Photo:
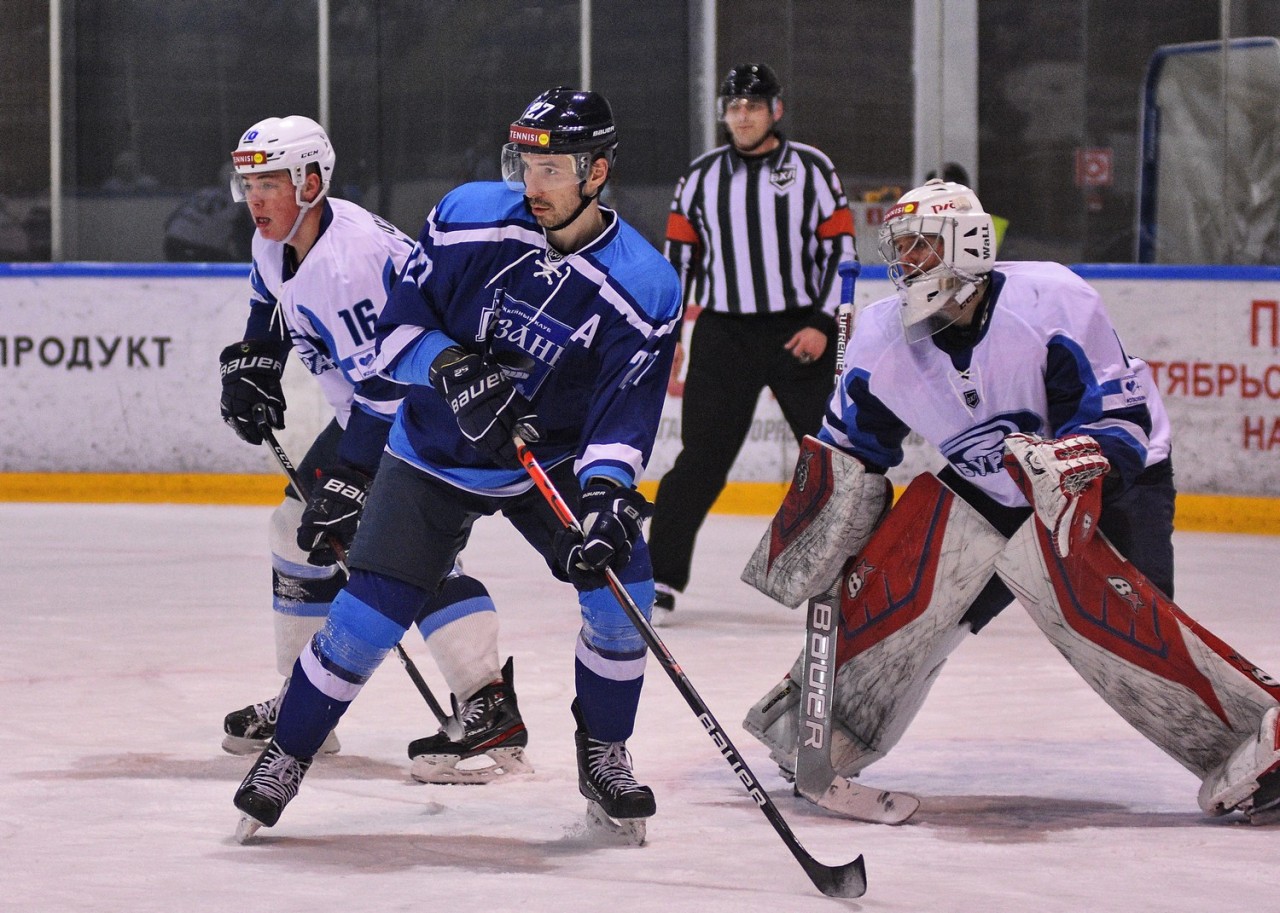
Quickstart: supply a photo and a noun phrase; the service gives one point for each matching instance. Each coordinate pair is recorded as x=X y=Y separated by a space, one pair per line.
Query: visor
x=544 y=171
x=725 y=102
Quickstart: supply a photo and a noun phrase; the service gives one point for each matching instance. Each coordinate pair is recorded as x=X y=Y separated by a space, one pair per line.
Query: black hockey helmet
x=561 y=121
x=565 y=120
x=751 y=80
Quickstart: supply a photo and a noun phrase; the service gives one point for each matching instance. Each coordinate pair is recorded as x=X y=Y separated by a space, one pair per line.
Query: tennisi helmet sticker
x=529 y=136
x=902 y=209
x=248 y=157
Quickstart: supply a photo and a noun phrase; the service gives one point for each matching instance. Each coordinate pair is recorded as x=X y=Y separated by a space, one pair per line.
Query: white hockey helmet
x=944 y=219
x=284 y=144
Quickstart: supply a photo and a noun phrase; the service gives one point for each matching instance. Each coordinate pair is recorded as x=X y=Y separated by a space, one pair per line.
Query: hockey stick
x=848 y=880
x=816 y=779
x=264 y=428
x=849 y=271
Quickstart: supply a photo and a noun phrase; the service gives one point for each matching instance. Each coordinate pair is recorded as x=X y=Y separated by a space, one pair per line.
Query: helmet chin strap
x=584 y=200
x=303 y=208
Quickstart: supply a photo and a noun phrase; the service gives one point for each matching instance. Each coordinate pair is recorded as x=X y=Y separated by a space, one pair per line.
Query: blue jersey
x=1046 y=361
x=588 y=338
x=326 y=310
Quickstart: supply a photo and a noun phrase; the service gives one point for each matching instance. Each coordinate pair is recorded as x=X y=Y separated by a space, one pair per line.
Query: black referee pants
x=731 y=359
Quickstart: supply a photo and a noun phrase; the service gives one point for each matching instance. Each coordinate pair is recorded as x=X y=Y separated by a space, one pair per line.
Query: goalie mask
x=940 y=246
x=291 y=144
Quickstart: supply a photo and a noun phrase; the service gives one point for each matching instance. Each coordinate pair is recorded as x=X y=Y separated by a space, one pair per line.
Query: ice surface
x=127 y=632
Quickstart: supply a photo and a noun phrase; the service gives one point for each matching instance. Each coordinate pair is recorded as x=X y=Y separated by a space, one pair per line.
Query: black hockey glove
x=251 y=373
x=610 y=517
x=485 y=404
x=333 y=513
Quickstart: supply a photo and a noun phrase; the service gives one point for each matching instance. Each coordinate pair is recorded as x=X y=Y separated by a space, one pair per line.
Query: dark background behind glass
x=155 y=96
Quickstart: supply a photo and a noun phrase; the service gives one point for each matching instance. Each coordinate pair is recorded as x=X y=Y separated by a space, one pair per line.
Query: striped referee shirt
x=760 y=235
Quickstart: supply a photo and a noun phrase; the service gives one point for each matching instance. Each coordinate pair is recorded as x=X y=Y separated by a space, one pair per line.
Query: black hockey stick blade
x=848 y=880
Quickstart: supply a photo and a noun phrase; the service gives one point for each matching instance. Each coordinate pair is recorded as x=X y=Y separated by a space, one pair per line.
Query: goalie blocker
x=828 y=514
x=927 y=575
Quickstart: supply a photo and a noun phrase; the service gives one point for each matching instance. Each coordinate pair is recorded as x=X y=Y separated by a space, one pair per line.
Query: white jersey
x=330 y=305
x=1047 y=361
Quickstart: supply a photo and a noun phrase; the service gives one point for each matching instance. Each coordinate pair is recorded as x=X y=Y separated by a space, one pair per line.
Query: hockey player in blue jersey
x=524 y=302
x=1014 y=372
x=322 y=270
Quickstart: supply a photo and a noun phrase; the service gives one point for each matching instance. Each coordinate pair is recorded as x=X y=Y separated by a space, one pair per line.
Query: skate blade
x=240 y=746
x=449 y=770
x=246 y=827
x=628 y=830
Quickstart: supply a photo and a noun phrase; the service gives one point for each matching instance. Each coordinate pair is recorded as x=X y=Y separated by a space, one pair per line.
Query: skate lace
x=268 y=712
x=279 y=778
x=610 y=765
x=471 y=712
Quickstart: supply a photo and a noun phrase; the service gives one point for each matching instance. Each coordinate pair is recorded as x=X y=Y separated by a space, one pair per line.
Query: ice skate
x=269 y=786
x=249 y=730
x=492 y=742
x=615 y=801
x=664 y=604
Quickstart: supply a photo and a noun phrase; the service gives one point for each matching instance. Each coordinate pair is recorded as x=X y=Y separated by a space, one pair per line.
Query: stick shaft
x=848 y=880
x=296 y=484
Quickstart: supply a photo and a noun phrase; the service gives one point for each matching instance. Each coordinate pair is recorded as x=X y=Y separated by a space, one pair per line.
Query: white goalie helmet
x=284 y=144
x=940 y=245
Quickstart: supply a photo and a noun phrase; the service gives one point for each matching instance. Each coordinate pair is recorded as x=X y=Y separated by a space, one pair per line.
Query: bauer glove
x=1062 y=480
x=485 y=404
x=251 y=372
x=611 y=518
x=332 y=514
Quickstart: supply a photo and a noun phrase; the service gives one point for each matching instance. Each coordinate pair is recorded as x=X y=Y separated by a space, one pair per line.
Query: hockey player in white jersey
x=322 y=271
x=1015 y=373
x=525 y=302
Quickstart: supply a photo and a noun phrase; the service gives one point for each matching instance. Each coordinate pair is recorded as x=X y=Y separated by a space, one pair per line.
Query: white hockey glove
x=1062 y=479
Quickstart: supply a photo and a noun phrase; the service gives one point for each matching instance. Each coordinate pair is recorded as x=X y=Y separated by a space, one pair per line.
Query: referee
x=756 y=231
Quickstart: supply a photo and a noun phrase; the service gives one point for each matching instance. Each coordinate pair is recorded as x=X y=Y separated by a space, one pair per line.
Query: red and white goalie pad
x=1180 y=686
x=828 y=514
x=1062 y=479
x=898 y=609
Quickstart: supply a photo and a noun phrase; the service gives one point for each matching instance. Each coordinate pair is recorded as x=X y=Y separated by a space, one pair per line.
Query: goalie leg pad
x=828 y=514
x=1175 y=682
x=901 y=603
x=774 y=719
x=1249 y=779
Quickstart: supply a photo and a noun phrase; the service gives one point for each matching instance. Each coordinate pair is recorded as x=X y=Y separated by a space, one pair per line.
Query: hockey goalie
x=1057 y=489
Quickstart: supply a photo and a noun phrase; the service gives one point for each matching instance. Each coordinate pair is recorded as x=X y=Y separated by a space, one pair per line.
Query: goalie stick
x=849 y=271
x=848 y=880
x=816 y=780
x=264 y=426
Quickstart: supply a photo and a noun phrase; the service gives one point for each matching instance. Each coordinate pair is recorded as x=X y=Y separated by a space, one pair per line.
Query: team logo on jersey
x=979 y=451
x=524 y=340
x=782 y=178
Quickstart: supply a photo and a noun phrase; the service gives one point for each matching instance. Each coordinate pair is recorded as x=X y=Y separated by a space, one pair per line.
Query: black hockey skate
x=268 y=787
x=615 y=801
x=664 y=604
x=491 y=745
x=250 y=729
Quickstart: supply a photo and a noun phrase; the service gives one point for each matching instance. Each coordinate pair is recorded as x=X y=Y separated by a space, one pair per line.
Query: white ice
x=127 y=632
